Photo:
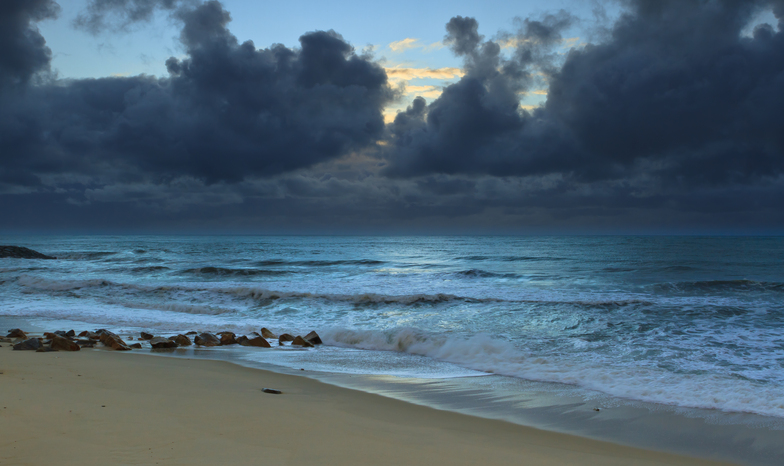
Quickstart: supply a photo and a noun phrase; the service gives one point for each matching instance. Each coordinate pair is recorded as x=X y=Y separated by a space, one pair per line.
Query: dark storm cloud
x=477 y=125
x=227 y=110
x=670 y=122
x=23 y=50
x=102 y=15
x=676 y=91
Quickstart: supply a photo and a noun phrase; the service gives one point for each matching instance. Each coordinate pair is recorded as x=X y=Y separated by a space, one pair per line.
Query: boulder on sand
x=313 y=337
x=70 y=333
x=110 y=340
x=181 y=340
x=16 y=333
x=207 y=339
x=255 y=340
x=161 y=343
x=227 y=338
x=135 y=346
x=45 y=349
x=146 y=336
x=286 y=337
x=63 y=344
x=267 y=334
x=299 y=341
x=28 y=345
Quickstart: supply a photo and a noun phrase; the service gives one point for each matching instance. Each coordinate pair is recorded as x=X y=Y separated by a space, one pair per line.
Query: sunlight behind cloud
x=406 y=74
x=411 y=43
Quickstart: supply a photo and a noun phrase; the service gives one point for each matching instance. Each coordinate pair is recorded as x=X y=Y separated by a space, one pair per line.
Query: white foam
x=494 y=355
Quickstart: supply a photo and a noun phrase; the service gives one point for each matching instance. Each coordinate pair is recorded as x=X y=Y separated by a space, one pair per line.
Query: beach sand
x=102 y=407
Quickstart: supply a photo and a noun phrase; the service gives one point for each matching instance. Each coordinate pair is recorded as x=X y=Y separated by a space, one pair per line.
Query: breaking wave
x=495 y=355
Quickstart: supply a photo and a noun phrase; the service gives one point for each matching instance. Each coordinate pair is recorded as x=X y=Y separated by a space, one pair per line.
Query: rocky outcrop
x=28 y=345
x=286 y=337
x=267 y=334
x=19 y=252
x=227 y=338
x=313 y=337
x=207 y=339
x=162 y=343
x=63 y=344
x=16 y=333
x=299 y=341
x=181 y=340
x=146 y=336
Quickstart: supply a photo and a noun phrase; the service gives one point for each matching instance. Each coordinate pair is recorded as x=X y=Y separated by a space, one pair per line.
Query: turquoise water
x=684 y=321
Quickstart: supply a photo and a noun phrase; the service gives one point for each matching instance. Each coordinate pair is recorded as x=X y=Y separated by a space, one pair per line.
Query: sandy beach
x=98 y=407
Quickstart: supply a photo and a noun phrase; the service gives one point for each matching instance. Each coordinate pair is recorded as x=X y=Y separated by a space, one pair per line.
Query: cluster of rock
x=70 y=341
x=19 y=252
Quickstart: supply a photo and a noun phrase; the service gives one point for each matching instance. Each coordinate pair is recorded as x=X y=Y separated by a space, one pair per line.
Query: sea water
x=693 y=322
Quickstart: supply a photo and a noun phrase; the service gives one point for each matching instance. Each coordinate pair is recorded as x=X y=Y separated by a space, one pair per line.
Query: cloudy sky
x=525 y=117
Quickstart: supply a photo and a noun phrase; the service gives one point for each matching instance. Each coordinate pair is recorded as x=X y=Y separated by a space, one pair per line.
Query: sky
x=304 y=117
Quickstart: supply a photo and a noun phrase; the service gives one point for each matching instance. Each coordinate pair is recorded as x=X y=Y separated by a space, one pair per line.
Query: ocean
x=691 y=322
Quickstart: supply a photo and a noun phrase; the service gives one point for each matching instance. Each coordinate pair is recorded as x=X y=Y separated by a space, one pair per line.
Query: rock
x=181 y=340
x=271 y=390
x=161 y=343
x=86 y=343
x=135 y=346
x=90 y=335
x=191 y=333
x=130 y=338
x=241 y=339
x=227 y=338
x=299 y=341
x=313 y=337
x=257 y=341
x=28 y=345
x=19 y=252
x=286 y=337
x=207 y=339
x=45 y=349
x=267 y=334
x=63 y=344
x=61 y=333
x=110 y=340
x=70 y=333
x=146 y=336
x=16 y=333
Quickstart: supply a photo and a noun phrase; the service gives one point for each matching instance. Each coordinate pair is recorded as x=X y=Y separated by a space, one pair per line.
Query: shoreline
x=97 y=406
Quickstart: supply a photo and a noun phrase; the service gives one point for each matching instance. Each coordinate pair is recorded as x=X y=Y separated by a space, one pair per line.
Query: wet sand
x=102 y=407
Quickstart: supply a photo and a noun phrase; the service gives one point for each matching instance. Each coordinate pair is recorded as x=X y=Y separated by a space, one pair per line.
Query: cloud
x=403 y=45
x=23 y=51
x=101 y=15
x=669 y=122
x=410 y=43
x=407 y=74
x=675 y=92
x=225 y=112
x=429 y=92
